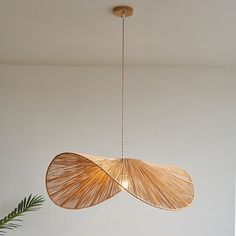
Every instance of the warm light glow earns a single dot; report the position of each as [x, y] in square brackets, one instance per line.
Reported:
[125, 184]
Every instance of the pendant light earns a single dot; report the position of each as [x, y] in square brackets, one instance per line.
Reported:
[76, 181]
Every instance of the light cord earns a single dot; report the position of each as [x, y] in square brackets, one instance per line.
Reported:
[122, 84]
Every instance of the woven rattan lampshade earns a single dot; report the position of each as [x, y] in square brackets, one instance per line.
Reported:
[76, 181]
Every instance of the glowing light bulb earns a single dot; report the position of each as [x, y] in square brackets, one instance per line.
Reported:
[125, 184]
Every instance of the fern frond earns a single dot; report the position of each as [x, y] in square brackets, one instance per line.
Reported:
[12, 220]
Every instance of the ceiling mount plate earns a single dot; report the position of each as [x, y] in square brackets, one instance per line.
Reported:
[120, 10]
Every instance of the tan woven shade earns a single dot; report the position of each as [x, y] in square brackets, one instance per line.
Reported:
[76, 181]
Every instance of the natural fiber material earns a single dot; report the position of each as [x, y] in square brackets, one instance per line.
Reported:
[76, 181]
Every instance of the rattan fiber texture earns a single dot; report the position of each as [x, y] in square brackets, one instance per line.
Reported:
[76, 181]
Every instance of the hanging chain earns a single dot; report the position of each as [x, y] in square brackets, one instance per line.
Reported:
[122, 83]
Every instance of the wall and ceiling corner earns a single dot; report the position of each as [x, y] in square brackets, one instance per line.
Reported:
[58, 88]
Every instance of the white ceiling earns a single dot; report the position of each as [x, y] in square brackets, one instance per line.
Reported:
[82, 32]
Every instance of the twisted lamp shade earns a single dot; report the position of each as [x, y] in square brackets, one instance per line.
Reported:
[76, 181]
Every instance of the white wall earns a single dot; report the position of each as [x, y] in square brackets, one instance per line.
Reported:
[182, 116]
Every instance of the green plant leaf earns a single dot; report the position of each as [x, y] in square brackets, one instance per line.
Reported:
[12, 220]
